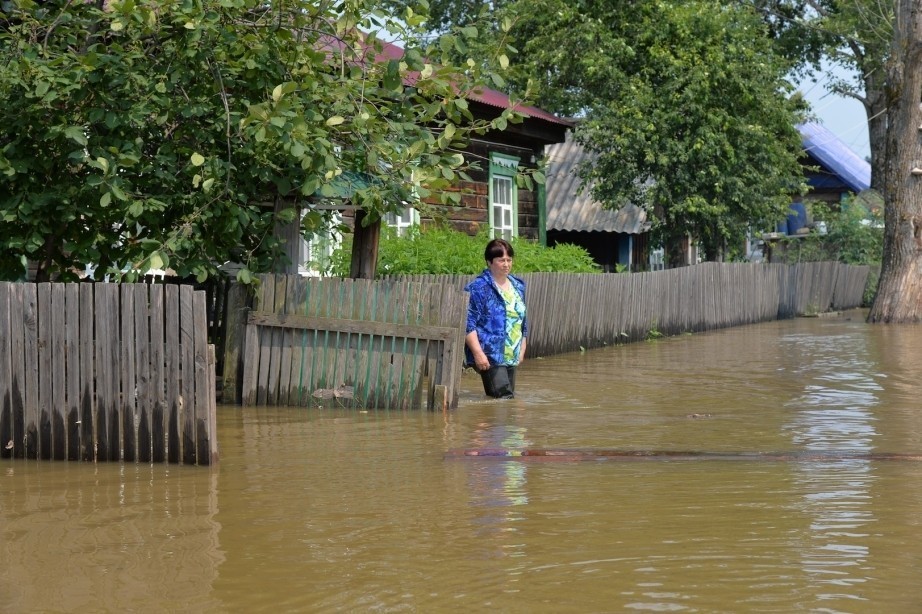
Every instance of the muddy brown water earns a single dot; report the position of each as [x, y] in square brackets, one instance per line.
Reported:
[340, 511]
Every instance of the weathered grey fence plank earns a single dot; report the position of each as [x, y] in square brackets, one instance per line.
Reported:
[6, 374]
[58, 374]
[187, 373]
[144, 397]
[72, 386]
[174, 376]
[203, 380]
[45, 363]
[88, 378]
[127, 372]
[158, 393]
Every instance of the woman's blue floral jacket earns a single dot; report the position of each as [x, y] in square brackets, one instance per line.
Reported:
[486, 313]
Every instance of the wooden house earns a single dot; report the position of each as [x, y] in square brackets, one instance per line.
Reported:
[832, 169]
[490, 199]
[833, 172]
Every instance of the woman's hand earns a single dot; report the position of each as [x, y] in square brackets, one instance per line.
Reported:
[481, 362]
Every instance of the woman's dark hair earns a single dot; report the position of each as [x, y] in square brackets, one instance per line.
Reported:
[496, 248]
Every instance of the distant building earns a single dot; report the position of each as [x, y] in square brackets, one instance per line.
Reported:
[616, 240]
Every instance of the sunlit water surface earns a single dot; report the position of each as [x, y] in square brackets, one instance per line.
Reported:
[333, 510]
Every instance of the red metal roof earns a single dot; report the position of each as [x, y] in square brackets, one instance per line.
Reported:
[485, 95]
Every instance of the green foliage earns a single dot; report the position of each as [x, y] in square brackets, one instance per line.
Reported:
[854, 236]
[136, 134]
[435, 250]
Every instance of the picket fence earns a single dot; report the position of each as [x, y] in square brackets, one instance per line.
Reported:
[568, 312]
[106, 372]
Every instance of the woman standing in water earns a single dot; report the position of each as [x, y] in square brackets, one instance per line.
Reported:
[497, 328]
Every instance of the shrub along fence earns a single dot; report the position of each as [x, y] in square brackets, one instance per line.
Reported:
[106, 372]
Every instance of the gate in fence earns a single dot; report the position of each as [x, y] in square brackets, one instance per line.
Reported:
[353, 343]
[106, 372]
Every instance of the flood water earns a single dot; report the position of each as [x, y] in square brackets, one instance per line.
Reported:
[341, 511]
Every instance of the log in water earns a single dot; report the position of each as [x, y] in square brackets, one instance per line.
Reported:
[675, 455]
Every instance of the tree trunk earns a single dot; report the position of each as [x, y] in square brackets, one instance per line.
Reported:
[899, 293]
[876, 109]
[365, 247]
[676, 251]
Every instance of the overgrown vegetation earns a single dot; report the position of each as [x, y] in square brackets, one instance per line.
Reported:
[854, 235]
[444, 251]
[141, 134]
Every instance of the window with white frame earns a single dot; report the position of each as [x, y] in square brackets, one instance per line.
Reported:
[408, 218]
[503, 196]
[316, 257]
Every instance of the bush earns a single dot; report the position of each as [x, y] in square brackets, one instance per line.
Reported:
[435, 250]
[854, 236]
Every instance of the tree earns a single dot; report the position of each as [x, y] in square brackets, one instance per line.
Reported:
[685, 106]
[899, 291]
[881, 43]
[855, 36]
[138, 134]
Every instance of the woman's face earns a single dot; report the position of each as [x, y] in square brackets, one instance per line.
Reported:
[501, 265]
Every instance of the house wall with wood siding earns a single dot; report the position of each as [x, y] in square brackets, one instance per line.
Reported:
[473, 214]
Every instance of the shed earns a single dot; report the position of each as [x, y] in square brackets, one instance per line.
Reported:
[614, 238]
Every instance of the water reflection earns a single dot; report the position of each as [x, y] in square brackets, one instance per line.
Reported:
[497, 488]
[835, 412]
[78, 537]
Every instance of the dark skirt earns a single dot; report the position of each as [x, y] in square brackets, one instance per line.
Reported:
[499, 382]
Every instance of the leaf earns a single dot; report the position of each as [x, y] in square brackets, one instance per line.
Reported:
[335, 120]
[277, 93]
[156, 262]
[504, 61]
[103, 164]
[244, 276]
[76, 134]
[206, 185]
[105, 199]
[117, 192]
[197, 159]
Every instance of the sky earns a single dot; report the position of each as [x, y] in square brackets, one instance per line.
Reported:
[844, 117]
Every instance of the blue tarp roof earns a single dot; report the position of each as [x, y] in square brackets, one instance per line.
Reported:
[835, 156]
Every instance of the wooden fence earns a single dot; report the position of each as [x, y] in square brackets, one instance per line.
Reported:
[352, 343]
[106, 372]
[567, 311]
